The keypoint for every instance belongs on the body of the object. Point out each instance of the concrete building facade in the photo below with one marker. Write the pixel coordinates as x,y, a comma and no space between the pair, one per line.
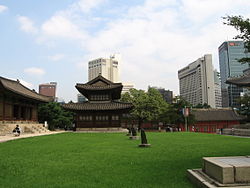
217,89
127,87
166,94
229,54
106,67
81,98
196,82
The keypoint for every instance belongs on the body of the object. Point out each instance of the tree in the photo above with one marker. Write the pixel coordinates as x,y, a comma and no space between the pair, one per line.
175,114
55,115
205,105
148,106
245,106
243,26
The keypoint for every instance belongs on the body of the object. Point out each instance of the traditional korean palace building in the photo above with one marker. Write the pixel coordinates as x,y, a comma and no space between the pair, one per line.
102,110
17,102
18,105
211,119
242,81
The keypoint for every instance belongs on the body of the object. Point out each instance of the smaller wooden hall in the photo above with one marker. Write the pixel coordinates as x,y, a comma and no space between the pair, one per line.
209,120
103,108
18,104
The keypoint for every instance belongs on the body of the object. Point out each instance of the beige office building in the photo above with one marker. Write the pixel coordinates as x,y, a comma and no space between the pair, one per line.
196,82
127,87
107,67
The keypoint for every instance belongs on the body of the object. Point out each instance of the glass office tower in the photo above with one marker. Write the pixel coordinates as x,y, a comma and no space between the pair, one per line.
229,54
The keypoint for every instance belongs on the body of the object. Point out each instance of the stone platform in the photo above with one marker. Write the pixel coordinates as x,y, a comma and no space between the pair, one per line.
101,130
222,172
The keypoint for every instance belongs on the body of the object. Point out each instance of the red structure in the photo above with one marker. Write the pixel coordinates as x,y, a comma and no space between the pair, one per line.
209,120
48,89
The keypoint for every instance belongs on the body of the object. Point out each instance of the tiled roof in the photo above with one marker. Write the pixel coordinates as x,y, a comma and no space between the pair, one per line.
91,87
99,83
224,114
240,81
18,88
96,106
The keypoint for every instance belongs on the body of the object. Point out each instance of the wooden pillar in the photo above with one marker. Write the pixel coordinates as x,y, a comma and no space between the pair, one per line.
3,107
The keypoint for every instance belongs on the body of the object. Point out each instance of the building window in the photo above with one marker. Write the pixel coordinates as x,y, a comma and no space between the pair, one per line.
102,118
99,97
115,117
85,118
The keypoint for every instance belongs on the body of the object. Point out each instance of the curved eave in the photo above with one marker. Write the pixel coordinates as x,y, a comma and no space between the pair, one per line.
84,87
97,106
243,81
30,94
115,92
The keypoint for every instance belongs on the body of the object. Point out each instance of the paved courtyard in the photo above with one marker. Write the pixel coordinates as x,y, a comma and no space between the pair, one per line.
26,135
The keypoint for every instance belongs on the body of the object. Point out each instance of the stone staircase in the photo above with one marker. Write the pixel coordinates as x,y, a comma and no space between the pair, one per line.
6,128
37,128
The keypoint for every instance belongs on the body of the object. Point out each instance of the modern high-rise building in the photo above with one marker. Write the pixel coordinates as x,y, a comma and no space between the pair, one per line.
48,89
229,54
217,89
108,68
196,82
166,94
81,98
127,87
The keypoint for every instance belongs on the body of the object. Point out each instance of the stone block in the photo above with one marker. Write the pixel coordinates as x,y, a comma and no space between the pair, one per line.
222,172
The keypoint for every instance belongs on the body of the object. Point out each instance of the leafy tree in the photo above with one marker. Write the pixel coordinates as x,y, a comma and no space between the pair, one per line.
243,26
148,105
205,105
245,106
174,112
55,115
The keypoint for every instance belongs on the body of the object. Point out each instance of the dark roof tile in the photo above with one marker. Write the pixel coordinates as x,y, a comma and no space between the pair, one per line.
224,114
18,88
97,106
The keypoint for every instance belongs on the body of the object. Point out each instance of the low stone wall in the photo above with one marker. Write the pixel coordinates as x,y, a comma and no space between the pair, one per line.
237,132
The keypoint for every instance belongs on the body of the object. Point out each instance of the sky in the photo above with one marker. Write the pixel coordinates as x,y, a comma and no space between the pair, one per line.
53,40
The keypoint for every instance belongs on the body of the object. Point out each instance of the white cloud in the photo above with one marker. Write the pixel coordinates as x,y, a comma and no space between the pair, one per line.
34,71
3,8
155,39
26,24
61,26
56,57
87,5
27,84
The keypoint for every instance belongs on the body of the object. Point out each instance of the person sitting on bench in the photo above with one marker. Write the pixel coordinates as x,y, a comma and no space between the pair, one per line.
17,131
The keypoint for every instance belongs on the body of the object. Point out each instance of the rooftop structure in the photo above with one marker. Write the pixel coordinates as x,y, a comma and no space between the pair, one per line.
102,110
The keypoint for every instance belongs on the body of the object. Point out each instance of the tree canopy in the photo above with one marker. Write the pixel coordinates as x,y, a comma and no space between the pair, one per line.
55,115
174,112
244,109
147,105
243,26
150,106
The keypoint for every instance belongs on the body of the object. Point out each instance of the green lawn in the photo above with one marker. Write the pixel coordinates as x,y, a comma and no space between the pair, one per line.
110,160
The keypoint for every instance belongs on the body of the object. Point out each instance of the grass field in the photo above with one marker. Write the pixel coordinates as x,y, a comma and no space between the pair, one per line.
111,159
